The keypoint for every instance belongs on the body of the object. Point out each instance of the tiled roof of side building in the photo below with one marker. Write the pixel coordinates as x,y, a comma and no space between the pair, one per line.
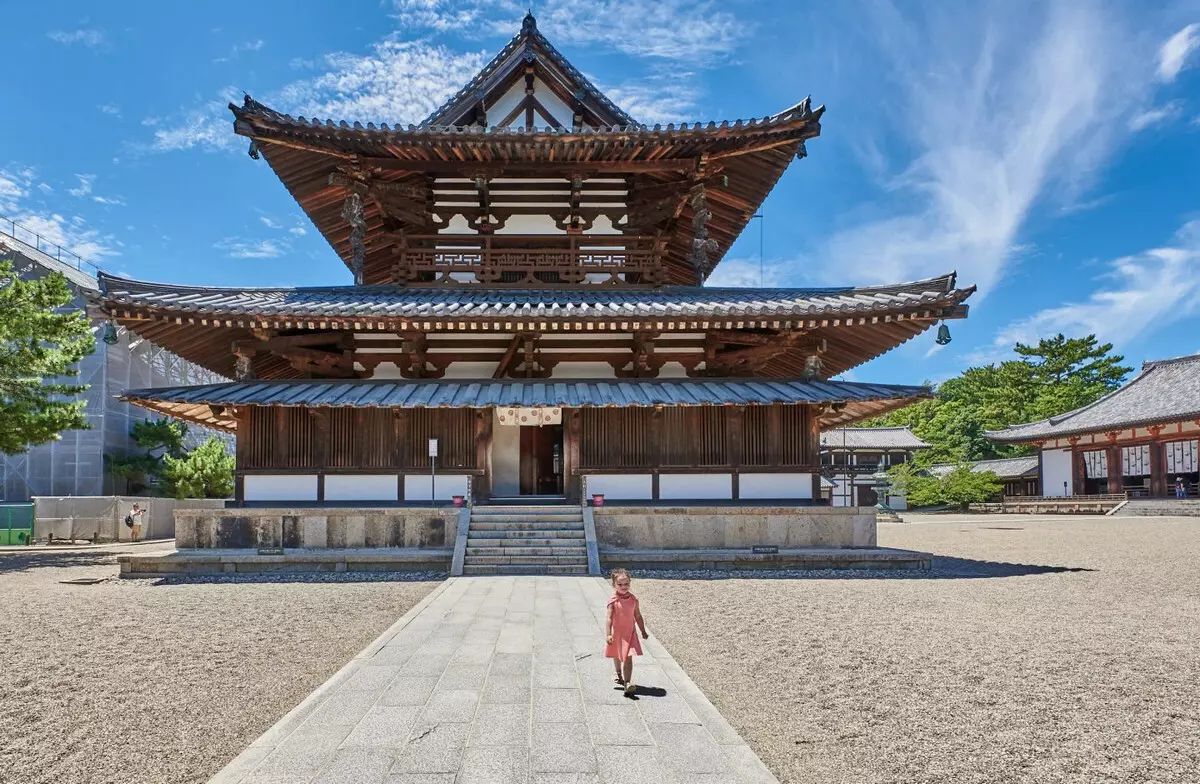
1166,390
385,301
1003,467
872,438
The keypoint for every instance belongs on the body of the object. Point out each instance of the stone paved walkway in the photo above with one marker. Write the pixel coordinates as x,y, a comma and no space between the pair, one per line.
492,680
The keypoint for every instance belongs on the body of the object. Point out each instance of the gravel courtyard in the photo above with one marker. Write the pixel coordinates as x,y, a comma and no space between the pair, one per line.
131,681
1071,654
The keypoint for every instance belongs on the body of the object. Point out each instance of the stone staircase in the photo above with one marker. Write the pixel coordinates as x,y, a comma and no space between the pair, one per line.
538,539
1158,507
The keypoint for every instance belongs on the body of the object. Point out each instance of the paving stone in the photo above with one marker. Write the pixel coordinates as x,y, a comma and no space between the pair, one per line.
549,652
357,766
500,725
551,675
409,690
373,677
558,705
463,676
383,727
576,778
617,725
512,664
507,689
626,764
427,664
669,708
688,748
420,778
454,705
494,765
473,653
562,748
432,748
342,709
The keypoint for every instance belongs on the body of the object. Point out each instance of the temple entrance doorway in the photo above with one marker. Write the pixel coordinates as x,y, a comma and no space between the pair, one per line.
541,460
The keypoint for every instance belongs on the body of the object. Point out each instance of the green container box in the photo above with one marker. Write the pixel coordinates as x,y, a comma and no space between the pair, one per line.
16,524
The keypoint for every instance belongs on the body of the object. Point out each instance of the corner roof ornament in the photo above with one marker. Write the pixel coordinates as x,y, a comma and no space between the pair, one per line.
528,24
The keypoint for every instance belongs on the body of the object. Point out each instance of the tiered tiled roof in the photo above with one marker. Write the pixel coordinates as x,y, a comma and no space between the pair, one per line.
872,438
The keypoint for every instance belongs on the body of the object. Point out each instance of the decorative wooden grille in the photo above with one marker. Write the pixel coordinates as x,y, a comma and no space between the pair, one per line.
615,438
453,427
694,437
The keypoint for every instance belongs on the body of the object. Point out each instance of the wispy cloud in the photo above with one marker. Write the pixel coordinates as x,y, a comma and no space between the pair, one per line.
1001,109
111,201
247,46
84,187
1175,53
1138,295
669,96
85,36
269,223
72,233
1156,116
747,272
238,248
110,108
205,127
696,31
299,231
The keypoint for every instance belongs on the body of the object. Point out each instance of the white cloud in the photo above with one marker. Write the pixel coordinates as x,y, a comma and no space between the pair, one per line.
660,98
269,223
238,248
207,127
112,201
71,233
110,108
1001,110
87,37
14,186
299,231
1139,294
696,31
85,185
1174,53
1156,116
248,46
399,82
746,273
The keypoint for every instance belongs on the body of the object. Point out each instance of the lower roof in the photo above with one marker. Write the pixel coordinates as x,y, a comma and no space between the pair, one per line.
1003,467
210,405
1166,391
872,438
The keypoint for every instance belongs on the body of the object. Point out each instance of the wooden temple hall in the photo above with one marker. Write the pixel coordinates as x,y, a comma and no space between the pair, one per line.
528,292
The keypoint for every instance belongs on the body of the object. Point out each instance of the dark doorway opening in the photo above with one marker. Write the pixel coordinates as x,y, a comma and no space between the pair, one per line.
867,495
542,460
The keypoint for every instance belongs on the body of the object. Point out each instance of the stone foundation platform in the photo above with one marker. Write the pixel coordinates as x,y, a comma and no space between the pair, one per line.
799,558
242,561
316,527
733,526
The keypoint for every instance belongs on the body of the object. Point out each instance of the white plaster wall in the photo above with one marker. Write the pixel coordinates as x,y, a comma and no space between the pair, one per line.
798,486
473,370
583,370
507,102
505,458
280,487
530,224
619,487
1056,469
416,486
689,486
360,487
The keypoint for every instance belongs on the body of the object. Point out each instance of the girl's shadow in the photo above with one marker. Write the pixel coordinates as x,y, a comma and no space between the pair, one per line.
647,691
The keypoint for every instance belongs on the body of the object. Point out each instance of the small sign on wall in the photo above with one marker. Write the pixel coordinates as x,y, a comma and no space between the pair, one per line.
539,415
433,447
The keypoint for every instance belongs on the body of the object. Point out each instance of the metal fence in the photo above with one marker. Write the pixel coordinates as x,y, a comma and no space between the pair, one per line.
102,518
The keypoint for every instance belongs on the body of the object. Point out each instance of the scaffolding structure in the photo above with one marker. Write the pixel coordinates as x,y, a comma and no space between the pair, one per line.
74,465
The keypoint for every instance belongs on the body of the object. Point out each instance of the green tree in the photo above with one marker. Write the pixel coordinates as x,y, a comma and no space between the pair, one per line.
964,487
40,345
918,487
205,472
160,438
1057,375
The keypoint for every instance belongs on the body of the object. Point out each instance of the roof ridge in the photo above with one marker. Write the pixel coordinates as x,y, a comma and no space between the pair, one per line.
1150,364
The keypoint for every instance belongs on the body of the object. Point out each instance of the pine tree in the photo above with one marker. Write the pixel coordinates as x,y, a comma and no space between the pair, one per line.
205,472
40,345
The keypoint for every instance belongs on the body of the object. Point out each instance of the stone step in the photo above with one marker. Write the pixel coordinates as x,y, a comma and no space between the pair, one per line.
529,560
525,508
549,525
526,518
526,541
509,552
521,569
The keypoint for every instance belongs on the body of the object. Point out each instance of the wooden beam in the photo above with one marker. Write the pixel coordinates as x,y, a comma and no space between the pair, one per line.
506,360
556,169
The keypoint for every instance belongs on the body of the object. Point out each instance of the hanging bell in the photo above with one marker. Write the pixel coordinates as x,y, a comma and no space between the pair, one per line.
110,334
943,335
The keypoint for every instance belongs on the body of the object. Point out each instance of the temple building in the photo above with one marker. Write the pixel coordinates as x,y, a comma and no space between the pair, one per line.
1140,439
853,456
529,266
1021,476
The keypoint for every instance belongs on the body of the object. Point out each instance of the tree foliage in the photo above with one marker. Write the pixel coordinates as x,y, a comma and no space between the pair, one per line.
160,438
205,472
40,345
1057,375
960,487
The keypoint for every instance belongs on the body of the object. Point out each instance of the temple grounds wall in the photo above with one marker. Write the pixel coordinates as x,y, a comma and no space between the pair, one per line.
723,527
316,528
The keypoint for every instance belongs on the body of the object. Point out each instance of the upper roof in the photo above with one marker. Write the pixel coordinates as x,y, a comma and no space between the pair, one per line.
396,302
872,438
194,403
398,168
1003,467
528,46
1166,391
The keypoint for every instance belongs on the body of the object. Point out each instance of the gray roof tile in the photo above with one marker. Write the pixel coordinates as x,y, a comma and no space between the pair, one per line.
1003,467
872,438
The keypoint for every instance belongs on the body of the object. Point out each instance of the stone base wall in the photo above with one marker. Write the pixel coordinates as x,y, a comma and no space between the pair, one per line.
315,528
694,527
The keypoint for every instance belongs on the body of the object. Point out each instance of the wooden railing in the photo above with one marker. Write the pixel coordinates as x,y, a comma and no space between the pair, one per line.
526,259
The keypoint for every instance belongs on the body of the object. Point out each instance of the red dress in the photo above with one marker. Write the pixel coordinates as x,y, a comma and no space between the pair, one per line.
624,627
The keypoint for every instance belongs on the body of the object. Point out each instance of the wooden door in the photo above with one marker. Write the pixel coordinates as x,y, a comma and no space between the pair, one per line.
867,495
541,460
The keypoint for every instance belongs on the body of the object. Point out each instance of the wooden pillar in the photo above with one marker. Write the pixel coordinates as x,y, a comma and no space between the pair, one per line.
1158,469
1116,476
656,439
483,450
1078,471
283,446
572,441
812,450
733,440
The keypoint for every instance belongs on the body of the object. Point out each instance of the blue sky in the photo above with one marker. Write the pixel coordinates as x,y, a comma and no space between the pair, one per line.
1049,152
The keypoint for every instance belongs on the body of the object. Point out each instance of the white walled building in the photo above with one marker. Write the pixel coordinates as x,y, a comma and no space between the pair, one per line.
850,456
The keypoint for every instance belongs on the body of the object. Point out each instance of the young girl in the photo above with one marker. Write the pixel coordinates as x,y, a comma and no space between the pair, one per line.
623,613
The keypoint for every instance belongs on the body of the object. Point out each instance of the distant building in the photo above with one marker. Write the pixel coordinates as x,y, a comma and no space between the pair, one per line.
1140,439
74,464
1021,475
850,456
